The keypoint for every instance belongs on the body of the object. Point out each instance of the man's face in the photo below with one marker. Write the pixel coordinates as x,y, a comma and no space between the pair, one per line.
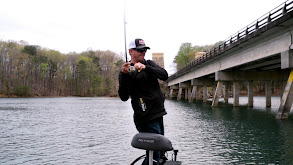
137,55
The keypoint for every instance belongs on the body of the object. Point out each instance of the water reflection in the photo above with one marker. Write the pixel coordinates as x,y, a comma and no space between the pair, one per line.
227,134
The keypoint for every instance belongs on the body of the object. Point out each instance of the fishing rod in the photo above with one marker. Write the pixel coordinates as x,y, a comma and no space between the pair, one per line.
131,69
125,33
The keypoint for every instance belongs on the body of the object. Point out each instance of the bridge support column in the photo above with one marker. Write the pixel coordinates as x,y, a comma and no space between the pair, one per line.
236,91
171,93
179,94
205,93
185,86
166,93
268,91
225,93
198,93
283,85
193,92
250,93
187,93
217,94
214,89
287,99
172,90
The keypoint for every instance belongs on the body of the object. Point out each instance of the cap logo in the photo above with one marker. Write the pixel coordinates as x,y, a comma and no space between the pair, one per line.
141,42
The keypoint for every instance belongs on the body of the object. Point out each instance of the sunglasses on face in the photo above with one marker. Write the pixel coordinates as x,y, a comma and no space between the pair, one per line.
141,50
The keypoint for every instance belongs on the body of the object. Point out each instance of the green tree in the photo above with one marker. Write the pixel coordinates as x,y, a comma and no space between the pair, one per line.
44,69
97,81
187,52
23,91
85,74
184,56
30,49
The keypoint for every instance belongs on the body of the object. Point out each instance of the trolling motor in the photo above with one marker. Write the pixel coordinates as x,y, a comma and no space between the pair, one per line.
153,142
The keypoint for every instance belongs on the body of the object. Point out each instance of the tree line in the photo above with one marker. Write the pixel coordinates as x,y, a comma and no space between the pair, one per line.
30,70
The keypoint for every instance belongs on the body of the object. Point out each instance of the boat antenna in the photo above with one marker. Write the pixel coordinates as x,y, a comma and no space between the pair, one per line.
125,33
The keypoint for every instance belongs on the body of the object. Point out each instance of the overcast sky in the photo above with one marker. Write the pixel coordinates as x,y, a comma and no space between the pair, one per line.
80,25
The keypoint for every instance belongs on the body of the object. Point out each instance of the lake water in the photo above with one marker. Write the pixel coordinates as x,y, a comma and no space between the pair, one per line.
75,130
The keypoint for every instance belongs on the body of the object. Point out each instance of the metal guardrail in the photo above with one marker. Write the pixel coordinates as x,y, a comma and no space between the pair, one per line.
242,35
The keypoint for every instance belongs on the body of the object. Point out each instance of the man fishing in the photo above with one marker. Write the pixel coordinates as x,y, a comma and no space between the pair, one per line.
139,80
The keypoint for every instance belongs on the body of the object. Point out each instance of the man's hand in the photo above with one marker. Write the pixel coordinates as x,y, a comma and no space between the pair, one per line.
139,66
125,67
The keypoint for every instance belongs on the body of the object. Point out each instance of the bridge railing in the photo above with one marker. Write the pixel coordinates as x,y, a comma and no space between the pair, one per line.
251,30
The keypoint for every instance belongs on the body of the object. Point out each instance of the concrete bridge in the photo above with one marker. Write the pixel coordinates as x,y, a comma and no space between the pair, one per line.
262,51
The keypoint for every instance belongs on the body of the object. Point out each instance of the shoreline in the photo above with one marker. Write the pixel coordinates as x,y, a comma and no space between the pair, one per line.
15,96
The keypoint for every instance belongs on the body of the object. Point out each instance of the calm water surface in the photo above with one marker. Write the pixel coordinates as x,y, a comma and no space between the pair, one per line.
99,131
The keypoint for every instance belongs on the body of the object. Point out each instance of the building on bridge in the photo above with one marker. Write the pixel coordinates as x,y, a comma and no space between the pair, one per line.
199,55
158,58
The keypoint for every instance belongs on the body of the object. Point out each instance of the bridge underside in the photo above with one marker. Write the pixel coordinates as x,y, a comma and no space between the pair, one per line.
273,69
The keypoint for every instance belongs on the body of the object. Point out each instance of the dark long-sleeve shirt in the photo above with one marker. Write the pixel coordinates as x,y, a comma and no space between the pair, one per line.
143,87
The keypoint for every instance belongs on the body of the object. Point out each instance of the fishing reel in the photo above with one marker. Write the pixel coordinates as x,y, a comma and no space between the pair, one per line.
131,68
